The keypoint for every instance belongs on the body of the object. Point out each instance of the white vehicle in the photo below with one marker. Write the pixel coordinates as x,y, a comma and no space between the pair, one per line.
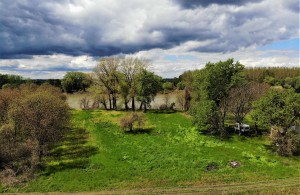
241,128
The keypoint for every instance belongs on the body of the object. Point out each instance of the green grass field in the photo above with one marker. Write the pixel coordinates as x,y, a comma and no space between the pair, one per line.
169,152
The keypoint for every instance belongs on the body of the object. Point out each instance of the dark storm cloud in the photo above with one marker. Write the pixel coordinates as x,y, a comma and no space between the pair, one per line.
196,3
57,68
104,28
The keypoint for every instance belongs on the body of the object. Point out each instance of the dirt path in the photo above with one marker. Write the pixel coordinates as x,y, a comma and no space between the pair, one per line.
282,186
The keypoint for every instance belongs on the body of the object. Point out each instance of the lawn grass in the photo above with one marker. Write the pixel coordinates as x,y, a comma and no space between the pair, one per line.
97,155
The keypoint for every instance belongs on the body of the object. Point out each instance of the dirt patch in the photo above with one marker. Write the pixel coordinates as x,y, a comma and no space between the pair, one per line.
282,186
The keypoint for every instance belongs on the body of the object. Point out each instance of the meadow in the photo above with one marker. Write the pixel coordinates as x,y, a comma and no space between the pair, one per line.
169,152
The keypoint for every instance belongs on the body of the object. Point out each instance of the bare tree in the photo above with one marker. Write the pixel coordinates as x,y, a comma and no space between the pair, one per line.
181,99
131,67
107,73
240,99
100,94
84,103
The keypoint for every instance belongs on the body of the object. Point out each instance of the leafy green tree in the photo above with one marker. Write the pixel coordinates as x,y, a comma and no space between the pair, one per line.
279,111
125,93
167,87
75,81
221,77
296,84
180,85
10,81
204,116
212,84
3,79
148,86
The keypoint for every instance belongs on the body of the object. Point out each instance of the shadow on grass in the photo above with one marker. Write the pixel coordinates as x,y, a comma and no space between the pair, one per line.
140,131
71,152
230,133
227,136
168,111
268,147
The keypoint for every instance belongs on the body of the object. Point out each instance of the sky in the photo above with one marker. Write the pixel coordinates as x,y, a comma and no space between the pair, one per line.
46,39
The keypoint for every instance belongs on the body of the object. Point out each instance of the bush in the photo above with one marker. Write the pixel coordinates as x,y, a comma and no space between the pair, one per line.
284,143
127,123
7,96
84,103
42,117
34,119
163,107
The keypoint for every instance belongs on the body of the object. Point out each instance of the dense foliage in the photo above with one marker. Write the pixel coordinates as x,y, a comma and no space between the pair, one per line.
32,120
148,86
10,81
75,81
211,87
280,111
259,74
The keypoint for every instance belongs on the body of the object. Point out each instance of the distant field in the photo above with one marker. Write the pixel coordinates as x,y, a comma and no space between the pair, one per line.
169,153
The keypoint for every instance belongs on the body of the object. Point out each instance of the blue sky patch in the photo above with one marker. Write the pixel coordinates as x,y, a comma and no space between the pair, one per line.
174,58
291,44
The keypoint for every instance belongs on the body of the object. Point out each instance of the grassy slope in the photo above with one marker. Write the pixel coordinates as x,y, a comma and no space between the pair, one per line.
170,152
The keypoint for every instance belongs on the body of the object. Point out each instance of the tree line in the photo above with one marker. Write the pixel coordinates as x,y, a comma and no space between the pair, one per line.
14,81
212,95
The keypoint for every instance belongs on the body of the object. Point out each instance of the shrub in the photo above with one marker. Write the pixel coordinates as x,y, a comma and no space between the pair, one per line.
42,118
33,119
7,96
84,103
284,143
127,123
163,107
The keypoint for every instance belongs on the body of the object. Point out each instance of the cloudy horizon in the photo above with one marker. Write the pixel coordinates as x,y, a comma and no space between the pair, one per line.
45,39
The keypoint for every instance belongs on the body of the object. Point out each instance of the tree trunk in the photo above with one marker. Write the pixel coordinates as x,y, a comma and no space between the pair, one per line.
187,100
109,99
105,106
141,106
114,102
126,105
133,104
40,154
145,107
255,124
